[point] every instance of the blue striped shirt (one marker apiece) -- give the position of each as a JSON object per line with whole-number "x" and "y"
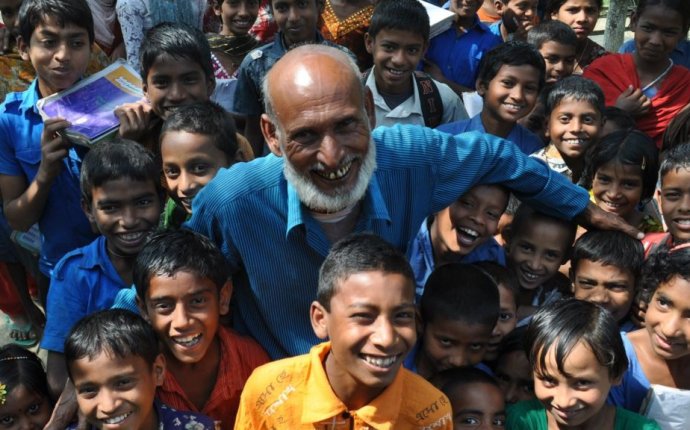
{"x": 275, "y": 248}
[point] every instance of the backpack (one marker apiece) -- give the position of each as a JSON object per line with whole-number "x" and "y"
{"x": 429, "y": 95}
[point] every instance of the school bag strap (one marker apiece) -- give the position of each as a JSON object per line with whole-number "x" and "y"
{"x": 429, "y": 97}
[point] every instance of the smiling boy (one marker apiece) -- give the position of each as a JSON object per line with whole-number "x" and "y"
{"x": 365, "y": 306}
{"x": 122, "y": 197}
{"x": 397, "y": 40}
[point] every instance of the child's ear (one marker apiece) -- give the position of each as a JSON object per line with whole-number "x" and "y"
{"x": 481, "y": 87}
{"x": 271, "y": 135}
{"x": 369, "y": 43}
{"x": 225, "y": 296}
{"x": 499, "y": 6}
{"x": 159, "y": 370}
{"x": 369, "y": 106}
{"x": 319, "y": 320}
{"x": 23, "y": 49}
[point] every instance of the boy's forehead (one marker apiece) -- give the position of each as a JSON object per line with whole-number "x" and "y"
{"x": 373, "y": 286}
{"x": 554, "y": 47}
{"x": 52, "y": 24}
{"x": 168, "y": 64}
{"x": 523, "y": 72}
{"x": 403, "y": 37}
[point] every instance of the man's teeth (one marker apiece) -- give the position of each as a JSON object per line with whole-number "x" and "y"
{"x": 188, "y": 340}
{"x": 338, "y": 174}
{"x": 116, "y": 420}
{"x": 381, "y": 362}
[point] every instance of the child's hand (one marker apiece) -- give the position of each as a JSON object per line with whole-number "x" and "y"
{"x": 54, "y": 147}
{"x": 135, "y": 119}
{"x": 633, "y": 101}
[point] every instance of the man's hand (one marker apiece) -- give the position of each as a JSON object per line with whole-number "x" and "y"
{"x": 54, "y": 147}
{"x": 633, "y": 101}
{"x": 595, "y": 217}
{"x": 135, "y": 119}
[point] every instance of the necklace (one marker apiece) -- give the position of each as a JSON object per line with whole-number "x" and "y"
{"x": 660, "y": 77}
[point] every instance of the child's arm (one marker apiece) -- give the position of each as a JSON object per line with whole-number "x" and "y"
{"x": 23, "y": 205}
{"x": 56, "y": 372}
{"x": 135, "y": 120}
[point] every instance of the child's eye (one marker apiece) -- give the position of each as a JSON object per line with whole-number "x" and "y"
{"x": 77, "y": 43}
{"x": 663, "y": 302}
{"x": 412, "y": 51}
{"x": 7, "y": 420}
{"x": 124, "y": 383}
{"x": 405, "y": 316}
{"x": 87, "y": 392}
{"x": 499, "y": 421}
{"x": 582, "y": 383}
{"x": 34, "y": 408}
{"x": 190, "y": 80}
{"x": 160, "y": 83}
{"x": 671, "y": 195}
{"x": 547, "y": 381}
{"x": 171, "y": 173}
{"x": 199, "y": 169}
{"x": 48, "y": 43}
{"x": 145, "y": 202}
{"x": 508, "y": 83}
{"x": 505, "y": 316}
{"x": 588, "y": 120}
{"x": 162, "y": 308}
{"x": 108, "y": 208}
{"x": 564, "y": 119}
{"x": 553, "y": 255}
{"x": 476, "y": 347}
{"x": 445, "y": 342}
{"x": 494, "y": 215}
{"x": 198, "y": 301}
{"x": 473, "y": 421}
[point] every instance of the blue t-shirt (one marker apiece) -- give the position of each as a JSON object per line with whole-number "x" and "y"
{"x": 83, "y": 282}
{"x": 63, "y": 224}
{"x": 632, "y": 390}
{"x": 527, "y": 141}
{"x": 458, "y": 54}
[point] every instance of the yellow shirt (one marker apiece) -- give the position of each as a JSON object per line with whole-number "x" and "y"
{"x": 294, "y": 393}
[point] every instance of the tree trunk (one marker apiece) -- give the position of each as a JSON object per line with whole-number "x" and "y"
{"x": 615, "y": 24}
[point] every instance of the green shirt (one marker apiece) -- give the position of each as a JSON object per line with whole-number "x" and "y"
{"x": 531, "y": 415}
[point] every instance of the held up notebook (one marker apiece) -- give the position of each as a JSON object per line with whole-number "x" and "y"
{"x": 90, "y": 103}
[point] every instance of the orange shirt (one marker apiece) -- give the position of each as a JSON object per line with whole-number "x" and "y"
{"x": 294, "y": 393}
{"x": 238, "y": 357}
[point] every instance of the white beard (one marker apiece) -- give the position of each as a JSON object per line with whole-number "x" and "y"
{"x": 316, "y": 200}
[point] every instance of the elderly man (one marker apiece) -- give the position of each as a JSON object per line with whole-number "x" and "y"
{"x": 275, "y": 218}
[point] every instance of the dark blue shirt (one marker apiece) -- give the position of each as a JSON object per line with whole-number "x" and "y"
{"x": 527, "y": 141}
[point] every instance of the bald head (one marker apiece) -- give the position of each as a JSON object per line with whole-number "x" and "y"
{"x": 303, "y": 68}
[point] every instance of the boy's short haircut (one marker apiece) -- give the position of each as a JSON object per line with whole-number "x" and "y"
{"x": 609, "y": 248}
{"x": 552, "y": 6}
{"x": 552, "y": 31}
{"x": 526, "y": 215}
{"x": 622, "y": 119}
{"x": 456, "y": 377}
{"x": 678, "y": 130}
{"x": 169, "y": 252}
{"x": 675, "y": 158}
{"x": 33, "y": 13}
{"x": 403, "y": 15}
{"x": 460, "y": 292}
{"x": 562, "y": 325}
{"x": 357, "y": 253}
{"x": 576, "y": 88}
{"x": 178, "y": 41}
{"x": 208, "y": 119}
{"x": 117, "y": 159}
{"x": 117, "y": 332}
{"x": 501, "y": 275}
{"x": 513, "y": 53}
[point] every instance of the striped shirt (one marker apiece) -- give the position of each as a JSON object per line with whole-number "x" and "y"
{"x": 275, "y": 247}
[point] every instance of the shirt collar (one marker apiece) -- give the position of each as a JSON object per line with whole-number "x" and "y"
{"x": 95, "y": 256}
{"x": 381, "y": 413}
{"x": 31, "y": 97}
{"x": 279, "y": 46}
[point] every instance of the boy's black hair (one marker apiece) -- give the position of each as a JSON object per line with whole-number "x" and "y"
{"x": 403, "y": 15}
{"x": 563, "y": 325}
{"x": 116, "y": 332}
{"x": 622, "y": 119}
{"x": 552, "y": 31}
{"x": 514, "y": 53}
{"x": 576, "y": 88}
{"x": 680, "y": 6}
{"x": 208, "y": 119}
{"x": 678, "y": 130}
{"x": 629, "y": 148}
{"x": 513, "y": 341}
{"x": 117, "y": 159}
{"x": 662, "y": 265}
{"x": 33, "y": 13}
{"x": 678, "y": 157}
{"x": 501, "y": 276}
{"x": 179, "y": 41}
{"x": 19, "y": 366}
{"x": 457, "y": 377}
{"x": 169, "y": 252}
{"x": 526, "y": 215}
{"x": 554, "y": 5}
{"x": 610, "y": 248}
{"x": 460, "y": 292}
{"x": 356, "y": 253}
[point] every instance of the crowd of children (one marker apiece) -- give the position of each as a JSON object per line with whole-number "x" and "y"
{"x": 495, "y": 315}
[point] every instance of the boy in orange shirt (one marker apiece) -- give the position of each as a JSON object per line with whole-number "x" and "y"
{"x": 365, "y": 306}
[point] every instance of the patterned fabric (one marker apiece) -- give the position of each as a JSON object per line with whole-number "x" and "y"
{"x": 235, "y": 49}
{"x": 265, "y": 27}
{"x": 555, "y": 161}
{"x": 591, "y": 52}
{"x": 138, "y": 16}
{"x": 295, "y": 393}
{"x": 348, "y": 32}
